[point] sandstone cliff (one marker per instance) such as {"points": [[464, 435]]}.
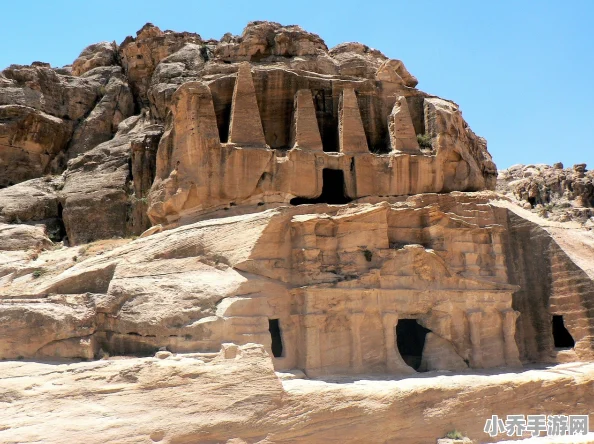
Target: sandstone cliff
{"points": [[348, 109], [554, 192], [269, 241]]}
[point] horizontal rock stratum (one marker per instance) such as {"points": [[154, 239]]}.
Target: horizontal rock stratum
{"points": [[260, 239]]}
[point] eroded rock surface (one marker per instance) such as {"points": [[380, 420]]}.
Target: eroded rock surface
{"points": [[554, 192], [234, 396], [300, 209]]}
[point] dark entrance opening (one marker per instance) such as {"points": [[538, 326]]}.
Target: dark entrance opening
{"points": [[410, 339], [327, 121], [275, 336], [561, 336], [55, 226], [333, 190]]}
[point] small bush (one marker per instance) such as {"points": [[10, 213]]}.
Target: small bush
{"points": [[424, 140], [454, 434], [139, 200], [38, 273]]}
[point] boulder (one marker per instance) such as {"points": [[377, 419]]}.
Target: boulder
{"points": [[98, 54]]}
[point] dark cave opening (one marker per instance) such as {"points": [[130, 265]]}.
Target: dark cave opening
{"points": [[410, 339], [333, 190], [561, 335], [276, 338], [55, 227]]}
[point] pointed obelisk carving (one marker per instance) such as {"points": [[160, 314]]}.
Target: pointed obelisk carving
{"points": [[402, 131], [305, 133], [246, 125], [351, 133], [195, 124]]}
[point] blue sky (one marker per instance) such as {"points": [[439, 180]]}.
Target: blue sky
{"points": [[522, 72]]}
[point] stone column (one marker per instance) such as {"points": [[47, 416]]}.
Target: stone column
{"points": [[245, 127], [291, 341], [351, 133], [401, 129], [394, 362], [512, 355], [356, 352], [305, 133], [312, 324], [474, 323]]}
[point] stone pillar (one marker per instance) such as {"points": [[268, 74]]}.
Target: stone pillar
{"points": [[356, 352], [394, 362], [401, 129], [246, 125], [512, 355], [292, 342], [193, 108], [351, 133], [305, 133], [474, 323], [312, 324]]}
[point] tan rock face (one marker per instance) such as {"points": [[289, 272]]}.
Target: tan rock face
{"points": [[402, 131], [556, 193], [52, 116], [306, 133], [141, 55], [245, 127], [460, 163], [261, 40], [99, 54], [342, 284], [234, 396], [107, 178], [295, 221]]}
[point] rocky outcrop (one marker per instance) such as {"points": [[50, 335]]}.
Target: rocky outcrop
{"points": [[23, 237], [267, 41], [298, 209], [350, 126], [204, 284], [48, 116], [141, 55], [557, 193], [39, 110], [93, 56], [112, 178], [235, 396], [115, 105], [348, 95]]}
